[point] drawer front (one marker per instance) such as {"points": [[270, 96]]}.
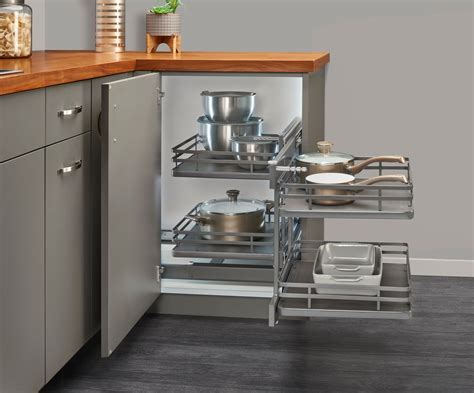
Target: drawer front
{"points": [[22, 123], [68, 269], [22, 273], [68, 110]]}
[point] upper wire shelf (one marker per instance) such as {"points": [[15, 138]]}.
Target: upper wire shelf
{"points": [[191, 160], [387, 200]]}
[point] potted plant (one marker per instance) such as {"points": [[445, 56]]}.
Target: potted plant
{"points": [[163, 20]]}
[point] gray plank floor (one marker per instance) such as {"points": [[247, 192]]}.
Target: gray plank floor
{"points": [[432, 352]]}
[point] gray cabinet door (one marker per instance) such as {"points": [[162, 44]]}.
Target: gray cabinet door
{"points": [[130, 206], [22, 273], [95, 196], [68, 268]]}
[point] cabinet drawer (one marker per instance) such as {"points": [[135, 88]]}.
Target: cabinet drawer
{"points": [[22, 273], [68, 269], [22, 123], [68, 110]]}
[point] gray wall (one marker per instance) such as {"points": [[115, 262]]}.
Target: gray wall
{"points": [[70, 24], [39, 26], [400, 81]]}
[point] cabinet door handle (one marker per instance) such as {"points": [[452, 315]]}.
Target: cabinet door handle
{"points": [[68, 169], [70, 112], [99, 120]]}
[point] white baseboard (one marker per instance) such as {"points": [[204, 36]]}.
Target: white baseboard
{"points": [[440, 267]]}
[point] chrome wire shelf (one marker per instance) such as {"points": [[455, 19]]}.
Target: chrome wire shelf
{"points": [[191, 160], [389, 200], [297, 295]]}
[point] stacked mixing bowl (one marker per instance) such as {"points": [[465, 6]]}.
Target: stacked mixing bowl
{"points": [[228, 114], [228, 126]]}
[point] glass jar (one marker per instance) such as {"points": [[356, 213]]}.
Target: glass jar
{"points": [[15, 28]]}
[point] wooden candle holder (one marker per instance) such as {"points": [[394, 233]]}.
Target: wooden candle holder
{"points": [[153, 41]]}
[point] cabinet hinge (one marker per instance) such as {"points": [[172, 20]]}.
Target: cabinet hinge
{"points": [[161, 95], [159, 272]]}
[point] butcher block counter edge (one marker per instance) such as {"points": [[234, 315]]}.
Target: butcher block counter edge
{"points": [[49, 68]]}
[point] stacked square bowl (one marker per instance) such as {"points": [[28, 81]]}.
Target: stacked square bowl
{"points": [[348, 269]]}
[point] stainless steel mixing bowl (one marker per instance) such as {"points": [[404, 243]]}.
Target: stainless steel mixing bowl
{"points": [[265, 147], [228, 106], [218, 136]]}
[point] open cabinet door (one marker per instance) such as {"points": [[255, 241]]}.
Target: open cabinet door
{"points": [[130, 204]]}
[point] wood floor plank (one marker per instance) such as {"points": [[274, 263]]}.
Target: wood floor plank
{"points": [[432, 352]]}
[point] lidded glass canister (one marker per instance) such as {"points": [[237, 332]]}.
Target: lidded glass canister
{"points": [[15, 29]]}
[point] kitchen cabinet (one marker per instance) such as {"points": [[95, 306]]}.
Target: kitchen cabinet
{"points": [[68, 252], [22, 269], [296, 234], [56, 215], [130, 204], [22, 123], [59, 218]]}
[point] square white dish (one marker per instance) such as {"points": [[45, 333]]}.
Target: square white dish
{"points": [[347, 259], [362, 285]]}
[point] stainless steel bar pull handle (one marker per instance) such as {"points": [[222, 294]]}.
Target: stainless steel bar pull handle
{"points": [[68, 169], [70, 112]]}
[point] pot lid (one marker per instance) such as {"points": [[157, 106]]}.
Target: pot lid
{"points": [[330, 178], [325, 156], [12, 2], [232, 205]]}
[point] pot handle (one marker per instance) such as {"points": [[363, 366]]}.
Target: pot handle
{"points": [[269, 205], [233, 195], [378, 179], [197, 219], [354, 169]]}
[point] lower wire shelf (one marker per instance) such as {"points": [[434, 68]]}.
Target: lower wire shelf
{"points": [[298, 297], [189, 242]]}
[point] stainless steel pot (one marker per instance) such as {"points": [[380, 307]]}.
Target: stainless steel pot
{"points": [[228, 106], [344, 178], [265, 147], [325, 160], [218, 136], [231, 215]]}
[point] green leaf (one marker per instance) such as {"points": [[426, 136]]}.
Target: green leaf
{"points": [[170, 6]]}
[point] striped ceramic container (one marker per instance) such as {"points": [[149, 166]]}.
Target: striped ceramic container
{"points": [[110, 26], [163, 24]]}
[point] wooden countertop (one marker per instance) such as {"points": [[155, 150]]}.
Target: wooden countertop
{"points": [[49, 68]]}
